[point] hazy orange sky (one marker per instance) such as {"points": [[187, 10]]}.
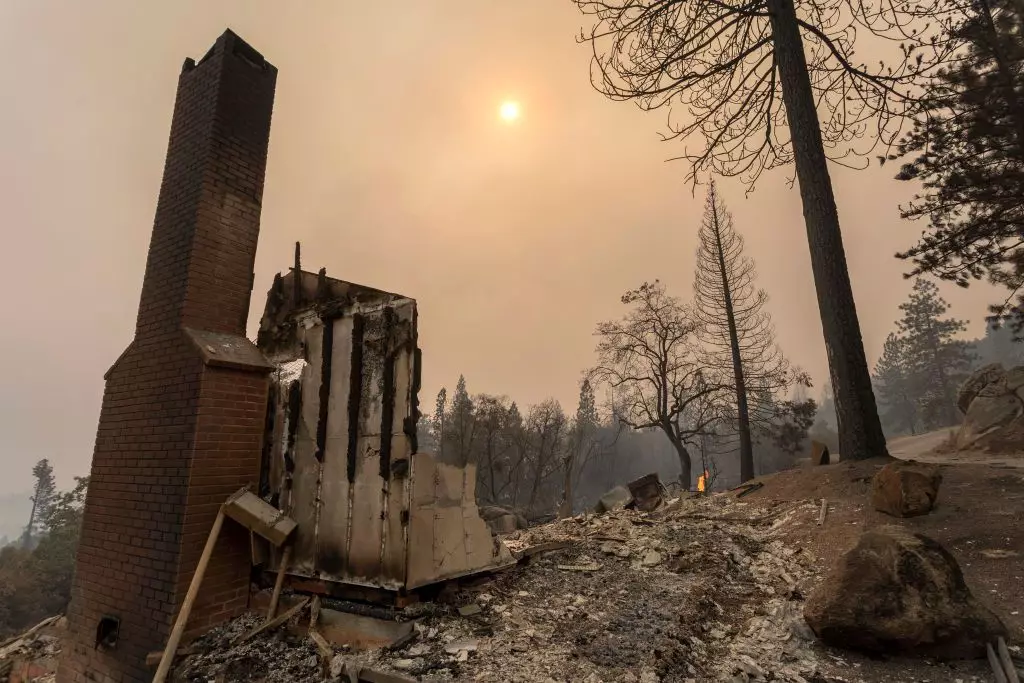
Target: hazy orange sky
{"points": [[390, 164]]}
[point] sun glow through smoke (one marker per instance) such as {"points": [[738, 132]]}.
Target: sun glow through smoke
{"points": [[509, 111]]}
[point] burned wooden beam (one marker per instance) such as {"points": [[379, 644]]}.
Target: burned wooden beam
{"points": [[355, 394]]}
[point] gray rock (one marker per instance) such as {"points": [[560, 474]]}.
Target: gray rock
{"points": [[501, 520], [986, 415], [652, 558], [980, 381], [1015, 379], [616, 499]]}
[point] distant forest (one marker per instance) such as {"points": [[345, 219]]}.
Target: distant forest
{"points": [[923, 363]]}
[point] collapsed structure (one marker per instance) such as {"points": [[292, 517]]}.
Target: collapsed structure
{"points": [[319, 417], [342, 460]]}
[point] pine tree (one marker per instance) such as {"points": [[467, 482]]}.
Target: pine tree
{"points": [[460, 425], [967, 149], [582, 445], [42, 500], [938, 361], [735, 330], [999, 346], [894, 379], [437, 424]]}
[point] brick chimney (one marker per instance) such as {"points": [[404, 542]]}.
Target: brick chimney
{"points": [[181, 425]]}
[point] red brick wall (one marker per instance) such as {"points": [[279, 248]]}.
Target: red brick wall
{"points": [[231, 416], [128, 556], [175, 436], [199, 268]]}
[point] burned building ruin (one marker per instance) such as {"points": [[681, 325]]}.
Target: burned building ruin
{"points": [[318, 417], [341, 457]]}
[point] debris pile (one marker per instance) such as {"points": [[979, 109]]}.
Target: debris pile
{"points": [[32, 656], [698, 589], [276, 658]]}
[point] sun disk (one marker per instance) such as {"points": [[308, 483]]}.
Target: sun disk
{"points": [[509, 111]]}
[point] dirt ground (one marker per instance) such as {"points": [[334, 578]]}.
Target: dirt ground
{"points": [[979, 518]]}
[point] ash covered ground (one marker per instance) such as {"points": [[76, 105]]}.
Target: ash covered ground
{"points": [[701, 589]]}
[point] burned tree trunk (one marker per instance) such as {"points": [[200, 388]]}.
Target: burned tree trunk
{"points": [[860, 431], [685, 461], [565, 510], [742, 410]]}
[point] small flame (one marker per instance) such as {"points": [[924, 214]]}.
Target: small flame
{"points": [[701, 481]]}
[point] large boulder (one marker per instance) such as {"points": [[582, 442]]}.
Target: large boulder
{"points": [[987, 380], [992, 400], [1015, 379], [905, 488], [898, 592], [987, 417]]}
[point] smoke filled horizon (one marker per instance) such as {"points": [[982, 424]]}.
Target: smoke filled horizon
{"points": [[396, 160]]}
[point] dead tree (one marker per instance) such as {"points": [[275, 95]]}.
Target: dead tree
{"points": [[736, 332], [650, 360], [544, 434], [494, 448], [762, 83]]}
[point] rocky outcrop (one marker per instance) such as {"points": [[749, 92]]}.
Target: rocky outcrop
{"points": [[897, 592], [992, 400], [905, 488], [991, 375]]}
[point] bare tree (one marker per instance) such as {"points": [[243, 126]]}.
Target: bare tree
{"points": [[544, 439], [650, 360], [763, 83], [498, 466], [735, 330]]}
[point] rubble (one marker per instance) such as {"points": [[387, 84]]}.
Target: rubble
{"points": [[32, 655], [700, 589], [647, 492]]}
